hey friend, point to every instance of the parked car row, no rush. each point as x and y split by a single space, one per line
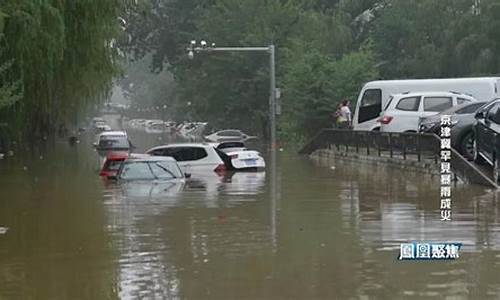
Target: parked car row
417 106
486 131
189 157
188 129
462 121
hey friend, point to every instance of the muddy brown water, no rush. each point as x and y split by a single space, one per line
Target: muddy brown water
325 230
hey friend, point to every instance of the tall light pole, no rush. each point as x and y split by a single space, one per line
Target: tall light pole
203 47
192 49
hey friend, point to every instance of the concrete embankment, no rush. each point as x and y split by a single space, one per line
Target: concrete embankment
427 166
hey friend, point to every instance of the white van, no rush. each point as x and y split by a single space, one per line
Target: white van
375 94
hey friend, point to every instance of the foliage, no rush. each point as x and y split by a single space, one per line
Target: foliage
429 38
316 84
60 55
57 55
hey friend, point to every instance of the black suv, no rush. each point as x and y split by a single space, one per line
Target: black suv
487 136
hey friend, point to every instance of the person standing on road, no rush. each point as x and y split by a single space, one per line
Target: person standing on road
345 116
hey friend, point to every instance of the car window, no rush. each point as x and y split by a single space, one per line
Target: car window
437 104
492 114
462 100
114 143
113 165
229 133
408 104
372 97
157 152
186 153
150 170
469 109
136 170
231 145
165 170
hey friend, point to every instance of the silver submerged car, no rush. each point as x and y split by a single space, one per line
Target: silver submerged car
151 168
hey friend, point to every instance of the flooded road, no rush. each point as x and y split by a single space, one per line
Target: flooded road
326 230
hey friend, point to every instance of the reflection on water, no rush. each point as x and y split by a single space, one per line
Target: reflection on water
305 230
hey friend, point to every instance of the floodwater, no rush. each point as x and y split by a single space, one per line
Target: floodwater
315 229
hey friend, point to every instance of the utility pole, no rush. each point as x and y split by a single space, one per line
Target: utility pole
193 48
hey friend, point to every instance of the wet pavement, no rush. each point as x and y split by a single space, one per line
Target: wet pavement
315 229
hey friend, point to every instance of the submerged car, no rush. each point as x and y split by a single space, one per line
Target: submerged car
102 127
230 146
462 120
113 140
240 157
194 156
403 111
150 168
113 162
246 160
229 135
486 146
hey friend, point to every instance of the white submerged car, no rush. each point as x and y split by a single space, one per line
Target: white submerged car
241 157
247 160
228 135
202 157
193 156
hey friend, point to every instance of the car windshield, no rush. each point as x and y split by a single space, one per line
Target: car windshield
229 133
121 142
456 109
150 170
231 145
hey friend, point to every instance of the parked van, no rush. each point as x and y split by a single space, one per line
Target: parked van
375 94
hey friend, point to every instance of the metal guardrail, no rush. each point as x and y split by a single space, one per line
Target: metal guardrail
405 145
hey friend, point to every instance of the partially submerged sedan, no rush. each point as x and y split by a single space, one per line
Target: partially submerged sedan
241 158
195 157
113 162
150 168
247 160
112 140
229 135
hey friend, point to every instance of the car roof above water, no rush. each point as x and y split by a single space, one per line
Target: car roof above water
435 94
203 145
151 159
113 133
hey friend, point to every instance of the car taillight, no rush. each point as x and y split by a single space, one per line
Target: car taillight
106 173
234 156
385 119
221 168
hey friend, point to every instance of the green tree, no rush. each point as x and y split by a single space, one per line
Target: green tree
61 55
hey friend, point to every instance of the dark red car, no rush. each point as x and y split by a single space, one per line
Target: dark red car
112 163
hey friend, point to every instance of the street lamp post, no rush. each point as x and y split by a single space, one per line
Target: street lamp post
193 48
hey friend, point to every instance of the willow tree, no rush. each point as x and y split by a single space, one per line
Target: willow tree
61 53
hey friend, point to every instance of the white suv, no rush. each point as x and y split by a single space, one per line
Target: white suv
403 111
193 157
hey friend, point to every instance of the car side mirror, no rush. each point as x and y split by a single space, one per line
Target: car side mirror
95 144
479 115
187 175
